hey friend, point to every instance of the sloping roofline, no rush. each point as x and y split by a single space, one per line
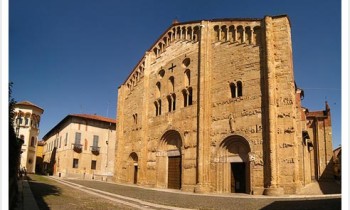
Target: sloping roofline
81 116
28 103
196 21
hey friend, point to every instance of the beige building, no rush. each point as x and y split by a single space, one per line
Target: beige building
213 107
27 119
81 146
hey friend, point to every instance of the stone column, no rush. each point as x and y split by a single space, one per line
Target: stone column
203 111
143 159
270 90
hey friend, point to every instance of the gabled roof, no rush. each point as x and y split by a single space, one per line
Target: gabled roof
81 116
28 103
94 117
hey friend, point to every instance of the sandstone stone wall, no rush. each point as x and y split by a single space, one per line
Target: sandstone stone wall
219 94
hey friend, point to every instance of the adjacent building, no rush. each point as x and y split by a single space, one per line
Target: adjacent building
27 120
213 106
39 158
81 146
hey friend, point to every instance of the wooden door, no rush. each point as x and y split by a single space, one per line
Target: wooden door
135 174
174 172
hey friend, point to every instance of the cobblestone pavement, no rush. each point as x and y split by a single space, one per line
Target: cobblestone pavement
168 199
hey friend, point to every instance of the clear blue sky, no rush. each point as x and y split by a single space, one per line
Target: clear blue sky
70 56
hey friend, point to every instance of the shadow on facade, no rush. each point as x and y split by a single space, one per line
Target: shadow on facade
327 181
324 204
41 190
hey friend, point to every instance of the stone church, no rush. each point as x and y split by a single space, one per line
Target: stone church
213 106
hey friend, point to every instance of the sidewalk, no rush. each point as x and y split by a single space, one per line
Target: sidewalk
26 200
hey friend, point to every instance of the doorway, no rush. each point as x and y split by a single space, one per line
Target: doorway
135 173
238 177
174 172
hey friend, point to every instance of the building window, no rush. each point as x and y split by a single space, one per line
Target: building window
60 141
171 84
233 90
32 142
66 139
187 78
239 89
158 107
158 90
187 94
77 138
135 118
75 163
95 141
171 102
93 164
236 90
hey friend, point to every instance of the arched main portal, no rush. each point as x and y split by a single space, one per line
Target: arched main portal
233 167
133 167
169 161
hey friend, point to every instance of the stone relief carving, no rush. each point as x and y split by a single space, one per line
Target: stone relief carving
288 160
289 130
250 112
284 101
231 123
286 145
283 115
252 129
235 100
256 159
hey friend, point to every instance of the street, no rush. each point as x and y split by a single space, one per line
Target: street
84 194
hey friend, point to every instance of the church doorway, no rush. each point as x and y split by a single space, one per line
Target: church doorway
133 167
169 161
238 178
174 172
233 166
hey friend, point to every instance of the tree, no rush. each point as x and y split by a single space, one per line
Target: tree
15 145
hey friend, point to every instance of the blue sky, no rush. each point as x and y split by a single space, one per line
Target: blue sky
70 56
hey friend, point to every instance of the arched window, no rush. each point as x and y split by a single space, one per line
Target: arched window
233 90
257 36
184 93
239 89
240 32
171 84
158 107
187 94
32 142
158 90
171 102
187 78
174 101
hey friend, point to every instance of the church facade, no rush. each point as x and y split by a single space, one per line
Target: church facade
213 107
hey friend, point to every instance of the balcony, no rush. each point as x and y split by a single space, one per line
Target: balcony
95 150
77 148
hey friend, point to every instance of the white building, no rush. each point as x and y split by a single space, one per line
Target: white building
81 146
27 120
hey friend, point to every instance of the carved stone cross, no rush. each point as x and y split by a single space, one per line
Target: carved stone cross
172 67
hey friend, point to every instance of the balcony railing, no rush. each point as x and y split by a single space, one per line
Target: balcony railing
77 148
95 150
